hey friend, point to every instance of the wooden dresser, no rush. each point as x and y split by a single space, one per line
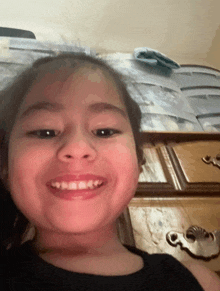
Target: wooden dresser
176 208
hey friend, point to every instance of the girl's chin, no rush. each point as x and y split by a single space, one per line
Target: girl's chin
78 224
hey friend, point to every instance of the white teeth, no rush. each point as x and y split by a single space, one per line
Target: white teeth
72 186
57 185
96 183
90 184
64 186
82 185
77 185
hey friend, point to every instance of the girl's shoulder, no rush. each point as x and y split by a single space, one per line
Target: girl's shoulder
168 271
193 271
208 280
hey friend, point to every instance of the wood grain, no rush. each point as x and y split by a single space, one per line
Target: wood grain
153 218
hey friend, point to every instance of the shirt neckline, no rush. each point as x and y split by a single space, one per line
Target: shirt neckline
48 267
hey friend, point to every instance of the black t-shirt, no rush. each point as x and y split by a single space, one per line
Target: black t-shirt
25 270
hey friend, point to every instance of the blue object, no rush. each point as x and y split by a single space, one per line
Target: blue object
153 58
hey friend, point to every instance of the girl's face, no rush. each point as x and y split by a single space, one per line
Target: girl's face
72 159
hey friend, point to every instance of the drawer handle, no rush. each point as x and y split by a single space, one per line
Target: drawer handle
196 241
215 161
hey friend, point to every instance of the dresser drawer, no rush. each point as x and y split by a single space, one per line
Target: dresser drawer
197 164
153 218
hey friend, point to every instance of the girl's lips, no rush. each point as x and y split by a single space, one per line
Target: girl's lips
84 194
79 194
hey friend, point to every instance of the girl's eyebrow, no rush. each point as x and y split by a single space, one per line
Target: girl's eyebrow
58 107
43 105
102 106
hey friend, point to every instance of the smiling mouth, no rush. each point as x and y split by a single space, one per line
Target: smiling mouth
77 185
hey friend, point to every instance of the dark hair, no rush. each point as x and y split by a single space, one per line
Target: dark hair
13 222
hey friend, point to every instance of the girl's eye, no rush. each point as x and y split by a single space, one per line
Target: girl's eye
43 133
49 133
106 132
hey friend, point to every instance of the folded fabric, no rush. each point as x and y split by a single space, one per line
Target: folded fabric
153 57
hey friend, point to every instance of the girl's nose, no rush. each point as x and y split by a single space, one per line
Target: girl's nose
77 147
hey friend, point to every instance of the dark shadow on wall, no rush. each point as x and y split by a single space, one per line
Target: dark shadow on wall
13 32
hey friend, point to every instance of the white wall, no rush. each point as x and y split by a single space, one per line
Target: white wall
186 31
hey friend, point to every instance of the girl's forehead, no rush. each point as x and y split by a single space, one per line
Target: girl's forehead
86 83
66 74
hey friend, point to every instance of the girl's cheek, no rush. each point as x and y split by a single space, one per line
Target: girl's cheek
123 157
24 157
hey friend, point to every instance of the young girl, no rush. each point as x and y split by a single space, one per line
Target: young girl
70 160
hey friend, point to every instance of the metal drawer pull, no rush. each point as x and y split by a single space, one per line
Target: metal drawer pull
215 161
197 241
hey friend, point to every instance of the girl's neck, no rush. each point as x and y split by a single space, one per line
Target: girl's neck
99 253
101 242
